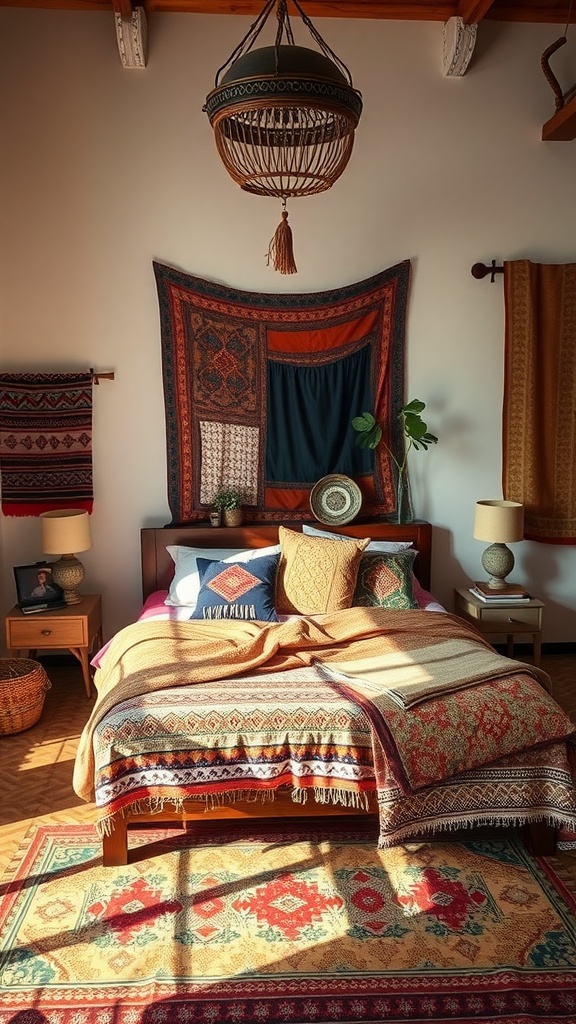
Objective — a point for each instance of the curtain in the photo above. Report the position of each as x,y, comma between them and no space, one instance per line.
539,421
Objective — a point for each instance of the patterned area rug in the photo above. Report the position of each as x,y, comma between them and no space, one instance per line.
284,924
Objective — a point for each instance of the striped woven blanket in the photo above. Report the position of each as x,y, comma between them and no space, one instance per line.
395,665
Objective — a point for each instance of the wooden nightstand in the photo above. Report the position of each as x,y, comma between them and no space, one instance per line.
502,619
76,628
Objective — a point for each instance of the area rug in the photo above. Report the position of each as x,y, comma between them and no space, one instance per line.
284,924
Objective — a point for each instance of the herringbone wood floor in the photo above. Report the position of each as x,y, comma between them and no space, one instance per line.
36,765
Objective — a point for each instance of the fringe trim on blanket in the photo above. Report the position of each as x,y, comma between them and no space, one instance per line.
408,834
212,801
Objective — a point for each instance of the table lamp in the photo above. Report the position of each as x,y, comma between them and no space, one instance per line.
499,522
64,531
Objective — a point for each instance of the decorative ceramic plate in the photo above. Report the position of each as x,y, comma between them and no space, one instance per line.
335,500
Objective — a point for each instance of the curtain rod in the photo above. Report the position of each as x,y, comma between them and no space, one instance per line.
480,270
97,377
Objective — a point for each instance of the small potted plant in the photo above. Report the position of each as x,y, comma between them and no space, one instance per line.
416,435
228,501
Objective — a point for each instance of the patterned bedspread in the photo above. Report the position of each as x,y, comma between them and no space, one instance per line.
492,753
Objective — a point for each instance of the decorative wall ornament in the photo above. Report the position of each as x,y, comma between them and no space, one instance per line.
132,37
459,40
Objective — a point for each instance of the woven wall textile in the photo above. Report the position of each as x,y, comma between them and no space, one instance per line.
45,442
260,390
539,427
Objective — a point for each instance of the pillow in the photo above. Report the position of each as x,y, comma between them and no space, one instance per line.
386,581
237,590
314,574
374,545
185,586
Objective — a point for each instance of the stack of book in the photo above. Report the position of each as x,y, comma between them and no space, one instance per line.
512,593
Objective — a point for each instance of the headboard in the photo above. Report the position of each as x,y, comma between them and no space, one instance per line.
158,567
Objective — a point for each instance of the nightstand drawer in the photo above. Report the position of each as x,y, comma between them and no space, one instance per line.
26,634
522,617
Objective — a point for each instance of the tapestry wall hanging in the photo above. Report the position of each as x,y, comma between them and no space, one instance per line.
260,390
45,442
539,430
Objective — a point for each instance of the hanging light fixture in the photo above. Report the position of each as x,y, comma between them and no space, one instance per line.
284,118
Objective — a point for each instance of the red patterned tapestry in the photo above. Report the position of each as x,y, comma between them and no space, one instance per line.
539,430
260,390
45,442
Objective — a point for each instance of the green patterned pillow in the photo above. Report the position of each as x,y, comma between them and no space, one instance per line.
385,581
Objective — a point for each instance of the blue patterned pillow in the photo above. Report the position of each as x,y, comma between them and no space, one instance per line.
237,590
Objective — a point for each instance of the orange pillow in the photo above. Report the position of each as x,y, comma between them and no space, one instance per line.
315,574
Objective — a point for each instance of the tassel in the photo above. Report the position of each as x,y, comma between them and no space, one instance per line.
280,249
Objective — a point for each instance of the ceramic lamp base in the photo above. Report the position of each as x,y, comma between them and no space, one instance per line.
68,573
498,561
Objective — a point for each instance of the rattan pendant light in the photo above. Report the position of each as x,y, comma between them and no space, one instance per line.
284,118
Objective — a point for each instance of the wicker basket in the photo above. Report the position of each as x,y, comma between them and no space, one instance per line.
23,686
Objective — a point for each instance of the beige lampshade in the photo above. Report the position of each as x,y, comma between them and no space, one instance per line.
65,531
500,522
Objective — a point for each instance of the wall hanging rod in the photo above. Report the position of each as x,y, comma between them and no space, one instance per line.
97,377
480,270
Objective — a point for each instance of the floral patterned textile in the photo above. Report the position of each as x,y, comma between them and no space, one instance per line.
287,924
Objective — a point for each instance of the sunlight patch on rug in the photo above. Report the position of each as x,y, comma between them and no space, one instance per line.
283,923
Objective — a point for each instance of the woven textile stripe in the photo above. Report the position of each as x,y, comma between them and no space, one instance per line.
260,391
45,442
539,428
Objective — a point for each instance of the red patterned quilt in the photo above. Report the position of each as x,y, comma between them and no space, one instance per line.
493,749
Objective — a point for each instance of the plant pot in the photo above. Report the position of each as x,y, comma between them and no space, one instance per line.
232,517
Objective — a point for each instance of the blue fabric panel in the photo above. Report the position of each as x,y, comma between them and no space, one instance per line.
309,410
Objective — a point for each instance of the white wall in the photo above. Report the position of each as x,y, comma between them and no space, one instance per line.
103,170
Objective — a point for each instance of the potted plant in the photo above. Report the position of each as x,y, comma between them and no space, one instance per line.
228,501
416,435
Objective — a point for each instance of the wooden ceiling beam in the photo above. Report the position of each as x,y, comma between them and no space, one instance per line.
472,11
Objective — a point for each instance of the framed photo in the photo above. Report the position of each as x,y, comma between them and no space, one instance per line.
36,588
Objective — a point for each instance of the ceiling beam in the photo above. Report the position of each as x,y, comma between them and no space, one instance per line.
472,11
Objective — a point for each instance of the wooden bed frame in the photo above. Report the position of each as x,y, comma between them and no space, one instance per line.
157,572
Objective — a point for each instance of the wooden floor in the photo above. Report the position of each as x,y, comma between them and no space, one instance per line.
36,765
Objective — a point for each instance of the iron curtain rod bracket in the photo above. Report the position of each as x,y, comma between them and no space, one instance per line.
480,270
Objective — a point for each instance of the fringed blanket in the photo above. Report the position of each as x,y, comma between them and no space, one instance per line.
45,442
424,730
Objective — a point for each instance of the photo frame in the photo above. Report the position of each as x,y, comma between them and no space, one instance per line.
36,587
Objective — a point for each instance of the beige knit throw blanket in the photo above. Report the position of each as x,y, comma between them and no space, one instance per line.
409,656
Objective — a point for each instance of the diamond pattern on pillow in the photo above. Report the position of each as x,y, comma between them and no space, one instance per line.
316,575
386,581
237,590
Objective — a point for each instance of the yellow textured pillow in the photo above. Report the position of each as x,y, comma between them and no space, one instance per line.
314,574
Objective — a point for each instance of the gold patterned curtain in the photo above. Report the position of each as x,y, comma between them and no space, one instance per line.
539,411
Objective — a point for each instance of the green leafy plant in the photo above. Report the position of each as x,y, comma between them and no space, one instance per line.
227,499
416,435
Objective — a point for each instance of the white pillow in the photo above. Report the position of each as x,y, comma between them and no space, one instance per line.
185,586
374,545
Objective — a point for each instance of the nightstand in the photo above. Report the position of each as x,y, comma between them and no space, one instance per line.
502,619
76,628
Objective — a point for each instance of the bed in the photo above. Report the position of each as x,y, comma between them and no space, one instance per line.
391,707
